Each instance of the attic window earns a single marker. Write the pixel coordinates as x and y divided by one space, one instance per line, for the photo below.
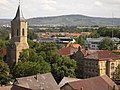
23 32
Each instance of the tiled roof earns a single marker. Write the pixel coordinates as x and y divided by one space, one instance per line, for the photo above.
66 80
95 83
72 45
66 51
76 45
86 33
6 88
38 82
102 54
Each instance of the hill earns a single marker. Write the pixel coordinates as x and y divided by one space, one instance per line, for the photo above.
76 20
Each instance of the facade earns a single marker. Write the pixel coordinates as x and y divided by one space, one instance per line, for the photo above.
91 63
18 36
94 43
95 83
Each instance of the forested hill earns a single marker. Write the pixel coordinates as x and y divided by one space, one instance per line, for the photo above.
76 20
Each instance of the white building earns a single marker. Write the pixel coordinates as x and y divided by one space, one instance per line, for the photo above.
93 43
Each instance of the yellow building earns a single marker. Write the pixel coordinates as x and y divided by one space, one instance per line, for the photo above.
18 36
92 63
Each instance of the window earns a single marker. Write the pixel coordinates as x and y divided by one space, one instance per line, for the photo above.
112 66
23 32
17 32
112 74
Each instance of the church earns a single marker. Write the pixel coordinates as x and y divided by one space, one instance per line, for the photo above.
18 40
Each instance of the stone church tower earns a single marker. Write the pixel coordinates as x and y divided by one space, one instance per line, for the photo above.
18 36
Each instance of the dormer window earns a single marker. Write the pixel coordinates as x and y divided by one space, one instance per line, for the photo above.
23 32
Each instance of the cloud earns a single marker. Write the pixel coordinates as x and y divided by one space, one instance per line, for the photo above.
48 5
33 8
98 3
3 2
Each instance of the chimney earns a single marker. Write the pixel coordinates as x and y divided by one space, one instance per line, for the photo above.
36 77
80 48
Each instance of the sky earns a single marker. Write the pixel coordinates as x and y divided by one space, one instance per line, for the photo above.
43 8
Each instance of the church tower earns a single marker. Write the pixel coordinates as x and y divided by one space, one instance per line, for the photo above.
18 36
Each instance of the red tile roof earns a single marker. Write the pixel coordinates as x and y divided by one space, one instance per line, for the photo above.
86 33
66 51
72 45
95 83
102 54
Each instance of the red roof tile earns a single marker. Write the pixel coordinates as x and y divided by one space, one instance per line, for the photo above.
102 54
73 45
95 83
66 51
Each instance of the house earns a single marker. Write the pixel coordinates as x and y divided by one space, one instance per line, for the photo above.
73 45
66 80
94 43
95 83
91 63
86 33
67 51
37 82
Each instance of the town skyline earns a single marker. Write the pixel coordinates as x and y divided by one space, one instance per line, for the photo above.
44 8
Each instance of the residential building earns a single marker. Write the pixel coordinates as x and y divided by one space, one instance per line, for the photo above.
67 80
91 63
37 82
67 51
73 45
94 43
95 83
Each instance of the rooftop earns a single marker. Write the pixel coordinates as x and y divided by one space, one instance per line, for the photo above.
38 82
95 83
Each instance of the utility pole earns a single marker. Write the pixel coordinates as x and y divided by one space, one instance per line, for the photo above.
112 25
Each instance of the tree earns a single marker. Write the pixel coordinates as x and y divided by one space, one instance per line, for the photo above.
5 77
37 57
63 66
94 35
32 35
23 69
80 40
107 44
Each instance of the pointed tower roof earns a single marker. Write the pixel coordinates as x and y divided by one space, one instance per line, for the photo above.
19 15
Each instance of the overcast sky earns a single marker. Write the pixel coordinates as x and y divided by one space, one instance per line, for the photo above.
41 8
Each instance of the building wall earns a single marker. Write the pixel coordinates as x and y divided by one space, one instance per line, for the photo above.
66 87
87 68
18 40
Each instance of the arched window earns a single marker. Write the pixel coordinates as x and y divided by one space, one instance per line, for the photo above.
112 66
17 32
23 32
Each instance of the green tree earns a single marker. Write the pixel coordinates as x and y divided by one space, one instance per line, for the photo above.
23 69
46 52
107 44
80 40
32 35
5 77
63 66
94 35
